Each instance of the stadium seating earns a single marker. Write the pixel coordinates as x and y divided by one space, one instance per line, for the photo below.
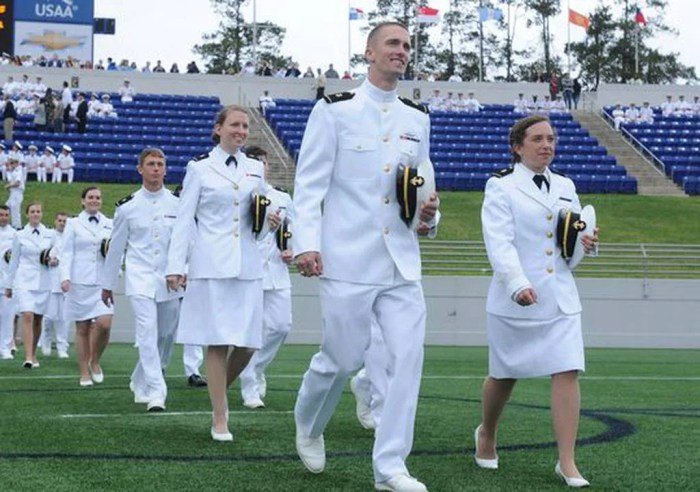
672 140
180 125
466 148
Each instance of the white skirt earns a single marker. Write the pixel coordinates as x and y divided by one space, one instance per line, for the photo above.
526 348
84 302
32 301
222 312
56 309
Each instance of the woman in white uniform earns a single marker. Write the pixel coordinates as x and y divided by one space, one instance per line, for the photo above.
534 312
213 243
83 249
28 277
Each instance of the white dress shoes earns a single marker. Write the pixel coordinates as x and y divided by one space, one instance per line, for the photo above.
62 354
312 452
97 377
254 403
84 383
363 411
488 464
574 482
221 436
158 405
401 483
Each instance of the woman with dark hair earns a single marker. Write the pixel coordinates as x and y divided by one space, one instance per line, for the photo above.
213 236
533 310
28 277
83 249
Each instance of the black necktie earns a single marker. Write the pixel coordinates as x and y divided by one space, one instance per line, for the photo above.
35 231
94 219
539 179
230 160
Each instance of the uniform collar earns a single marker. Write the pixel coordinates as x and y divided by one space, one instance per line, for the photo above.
153 194
530 173
377 94
220 155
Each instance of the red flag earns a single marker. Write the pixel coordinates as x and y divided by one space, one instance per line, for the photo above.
639 18
579 19
428 15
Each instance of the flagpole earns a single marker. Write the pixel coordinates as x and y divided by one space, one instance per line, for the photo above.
255 36
349 46
636 50
568 35
481 44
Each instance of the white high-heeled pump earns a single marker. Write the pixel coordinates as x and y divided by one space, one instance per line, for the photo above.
574 482
488 464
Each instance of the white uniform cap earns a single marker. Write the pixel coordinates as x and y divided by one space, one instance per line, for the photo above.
66 148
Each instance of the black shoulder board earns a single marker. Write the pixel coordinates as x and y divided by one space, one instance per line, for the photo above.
420 107
283 190
338 96
201 157
557 172
124 200
503 172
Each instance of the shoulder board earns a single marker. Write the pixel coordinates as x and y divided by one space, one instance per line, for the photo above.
503 172
124 200
420 107
283 190
557 172
338 96
201 157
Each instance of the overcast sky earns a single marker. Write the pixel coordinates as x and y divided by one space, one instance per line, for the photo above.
317 30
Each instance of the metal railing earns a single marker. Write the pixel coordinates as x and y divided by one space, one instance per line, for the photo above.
646 261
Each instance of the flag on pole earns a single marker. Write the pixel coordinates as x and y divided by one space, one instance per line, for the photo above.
428 15
356 14
639 17
579 19
487 14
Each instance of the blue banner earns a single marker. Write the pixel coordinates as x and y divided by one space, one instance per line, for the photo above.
60 11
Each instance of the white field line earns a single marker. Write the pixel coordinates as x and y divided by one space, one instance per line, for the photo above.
167 414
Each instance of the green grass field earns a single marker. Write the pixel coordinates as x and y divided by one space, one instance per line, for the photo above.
639 429
622 218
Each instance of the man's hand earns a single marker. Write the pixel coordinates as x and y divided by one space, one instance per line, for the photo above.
174 282
287 256
274 220
310 264
65 285
429 209
590 243
107 297
526 297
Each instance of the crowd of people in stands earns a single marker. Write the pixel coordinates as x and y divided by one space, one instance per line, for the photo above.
645 113
111 65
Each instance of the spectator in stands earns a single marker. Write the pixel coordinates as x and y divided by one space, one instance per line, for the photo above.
459 103
31 163
25 86
558 105
192 67
618 115
568 91
22 105
111 66
39 114
546 104
127 92
266 102
66 164
683 107
279 74
696 106
94 105
39 87
248 69
158 68
266 70
58 111
174 69
309 74
553 86
133 67
106 110
520 104
669 107
9 87
9 116
533 105
66 100
436 101
450 102
331 73
471 104
346 75
646 114
47 163
320 84
455 77
100 65
632 114
293 71
576 92
146 68
81 114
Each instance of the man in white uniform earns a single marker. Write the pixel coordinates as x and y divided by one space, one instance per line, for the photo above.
31 162
47 163
3 161
7 305
127 92
15 186
348 230
143 222
646 114
277 293
64 164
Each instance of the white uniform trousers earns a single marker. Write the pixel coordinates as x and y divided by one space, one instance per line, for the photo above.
8 310
15 204
277 322
155 326
192 359
70 172
371 382
348 310
55 327
41 175
56 175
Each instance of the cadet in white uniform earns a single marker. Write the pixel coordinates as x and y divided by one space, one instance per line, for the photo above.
7 304
348 230
534 312
81 262
277 293
56 325
47 162
15 187
222 307
28 278
31 163
143 223
64 165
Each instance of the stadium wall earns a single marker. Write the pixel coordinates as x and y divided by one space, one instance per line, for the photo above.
622 313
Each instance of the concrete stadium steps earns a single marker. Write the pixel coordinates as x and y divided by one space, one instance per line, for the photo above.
650 181
282 166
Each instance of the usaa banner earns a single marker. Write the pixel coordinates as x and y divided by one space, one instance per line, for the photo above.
59 11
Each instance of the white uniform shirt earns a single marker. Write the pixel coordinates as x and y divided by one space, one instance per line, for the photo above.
519 224
127 93
18 155
16 175
66 97
143 225
7 236
472 105
48 161
276 271
520 106
81 261
220 242
646 114
25 271
65 162
348 163
55 273
31 162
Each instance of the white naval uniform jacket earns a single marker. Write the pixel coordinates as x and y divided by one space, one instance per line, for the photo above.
55 273
345 188
7 236
81 261
25 271
519 225
276 271
143 223
16 193
214 225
